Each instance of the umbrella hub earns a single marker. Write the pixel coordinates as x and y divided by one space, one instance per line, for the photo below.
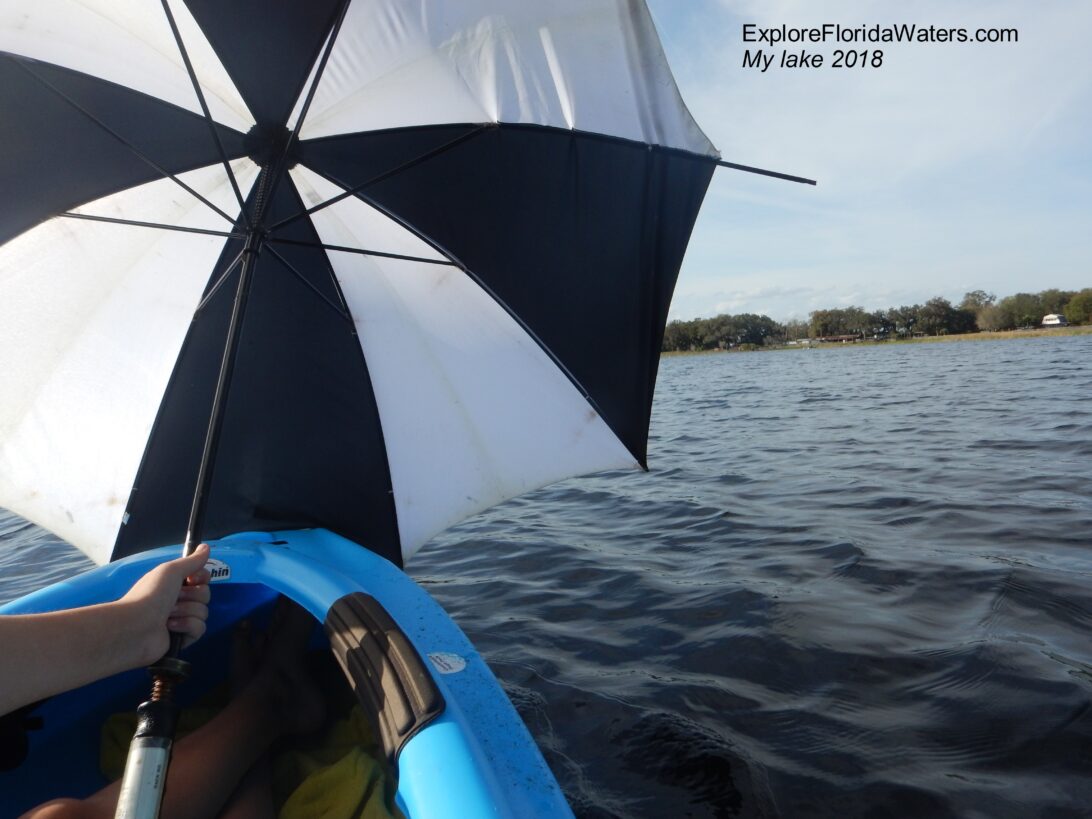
265 144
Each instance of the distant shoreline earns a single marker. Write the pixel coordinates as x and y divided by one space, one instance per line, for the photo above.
994 335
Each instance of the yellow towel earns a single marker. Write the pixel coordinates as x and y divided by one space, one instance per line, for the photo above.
334 775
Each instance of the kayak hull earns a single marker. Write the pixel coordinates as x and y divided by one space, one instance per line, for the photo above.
474 758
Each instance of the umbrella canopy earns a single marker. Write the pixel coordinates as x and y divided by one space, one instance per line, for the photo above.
462 223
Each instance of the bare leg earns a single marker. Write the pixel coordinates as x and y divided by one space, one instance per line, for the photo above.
208 765
253 799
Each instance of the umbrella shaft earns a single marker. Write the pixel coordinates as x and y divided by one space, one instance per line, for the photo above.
227 365
149 755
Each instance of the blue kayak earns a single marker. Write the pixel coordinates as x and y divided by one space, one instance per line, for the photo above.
456 746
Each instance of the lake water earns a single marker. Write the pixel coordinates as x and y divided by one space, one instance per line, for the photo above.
857 582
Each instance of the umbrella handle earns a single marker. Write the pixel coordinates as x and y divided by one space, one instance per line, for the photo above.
145 776
177 637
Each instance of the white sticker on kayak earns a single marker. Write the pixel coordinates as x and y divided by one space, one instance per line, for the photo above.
218 569
447 663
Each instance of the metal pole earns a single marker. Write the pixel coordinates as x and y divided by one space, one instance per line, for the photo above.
149 753
223 384
763 172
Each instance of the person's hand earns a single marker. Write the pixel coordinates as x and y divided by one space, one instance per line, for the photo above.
161 603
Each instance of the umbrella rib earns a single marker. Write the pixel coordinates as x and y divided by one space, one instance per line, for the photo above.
136 151
343 313
282 162
156 225
375 179
219 282
362 252
318 76
763 172
205 110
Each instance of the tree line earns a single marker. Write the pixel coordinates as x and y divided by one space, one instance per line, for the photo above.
977 311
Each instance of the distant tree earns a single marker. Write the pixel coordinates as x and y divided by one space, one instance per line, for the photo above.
934 316
713 332
795 329
881 324
976 300
938 317
1054 301
1078 309
964 321
721 332
820 323
857 320
993 318
678 335
749 328
904 318
839 322
1021 310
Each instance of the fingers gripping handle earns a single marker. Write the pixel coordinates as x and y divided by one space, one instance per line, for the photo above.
177 637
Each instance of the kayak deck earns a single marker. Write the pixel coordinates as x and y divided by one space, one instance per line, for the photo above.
455 742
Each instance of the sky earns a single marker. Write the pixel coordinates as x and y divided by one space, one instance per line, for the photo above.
950 168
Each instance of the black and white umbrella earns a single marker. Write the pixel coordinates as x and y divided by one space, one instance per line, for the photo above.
460 223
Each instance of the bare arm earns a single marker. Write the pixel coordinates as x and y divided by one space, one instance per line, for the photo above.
45 654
